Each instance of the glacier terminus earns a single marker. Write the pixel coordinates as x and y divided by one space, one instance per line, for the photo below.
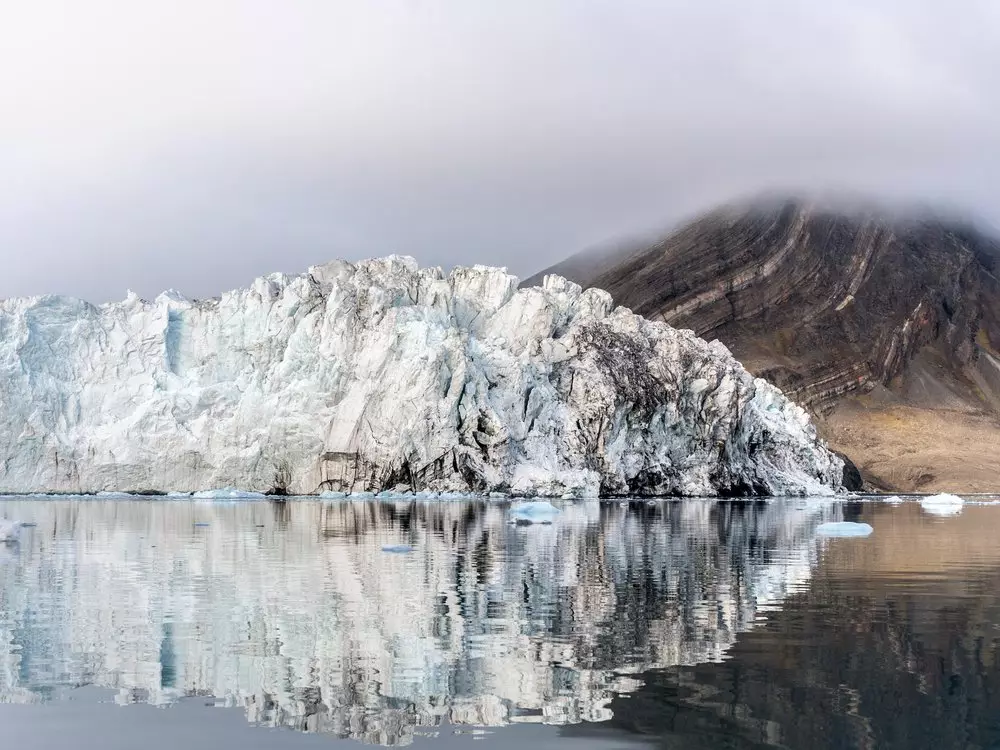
382 376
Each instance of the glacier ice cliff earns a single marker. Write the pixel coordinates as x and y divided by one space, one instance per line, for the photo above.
380 375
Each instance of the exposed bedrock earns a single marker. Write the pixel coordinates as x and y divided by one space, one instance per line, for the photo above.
856 310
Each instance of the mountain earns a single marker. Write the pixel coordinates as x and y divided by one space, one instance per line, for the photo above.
380 376
885 325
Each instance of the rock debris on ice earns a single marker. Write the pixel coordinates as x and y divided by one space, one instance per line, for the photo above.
381 376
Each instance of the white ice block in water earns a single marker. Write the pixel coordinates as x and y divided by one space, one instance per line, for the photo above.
844 528
534 512
226 493
397 549
943 505
10 531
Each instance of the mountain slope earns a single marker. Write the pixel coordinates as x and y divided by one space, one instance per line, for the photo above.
886 326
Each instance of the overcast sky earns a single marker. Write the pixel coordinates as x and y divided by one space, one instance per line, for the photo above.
195 144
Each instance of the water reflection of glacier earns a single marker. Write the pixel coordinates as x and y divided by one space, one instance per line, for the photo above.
295 613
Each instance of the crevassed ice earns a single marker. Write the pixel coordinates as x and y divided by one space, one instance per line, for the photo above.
381 376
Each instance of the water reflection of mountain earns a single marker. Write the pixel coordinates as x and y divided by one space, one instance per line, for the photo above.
894 644
294 611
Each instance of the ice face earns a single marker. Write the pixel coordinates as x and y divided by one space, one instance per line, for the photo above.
381 376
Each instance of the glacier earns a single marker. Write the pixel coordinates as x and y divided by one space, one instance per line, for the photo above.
380 375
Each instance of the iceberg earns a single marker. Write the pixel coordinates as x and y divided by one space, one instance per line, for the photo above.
534 512
10 531
226 493
843 529
942 505
380 376
397 549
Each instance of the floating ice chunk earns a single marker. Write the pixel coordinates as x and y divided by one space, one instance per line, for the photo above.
894 500
844 528
942 505
226 493
397 549
534 512
10 531
178 494
328 495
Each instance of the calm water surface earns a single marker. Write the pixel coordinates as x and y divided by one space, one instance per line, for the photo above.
306 624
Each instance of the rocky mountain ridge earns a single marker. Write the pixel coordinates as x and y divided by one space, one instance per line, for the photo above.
880 324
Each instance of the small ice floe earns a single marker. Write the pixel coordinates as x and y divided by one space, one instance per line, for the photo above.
226 493
538 511
843 529
10 531
894 500
942 505
397 549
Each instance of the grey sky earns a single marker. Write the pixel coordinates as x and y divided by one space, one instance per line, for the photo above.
197 143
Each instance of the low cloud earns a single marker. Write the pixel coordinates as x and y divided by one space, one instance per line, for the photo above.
198 144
